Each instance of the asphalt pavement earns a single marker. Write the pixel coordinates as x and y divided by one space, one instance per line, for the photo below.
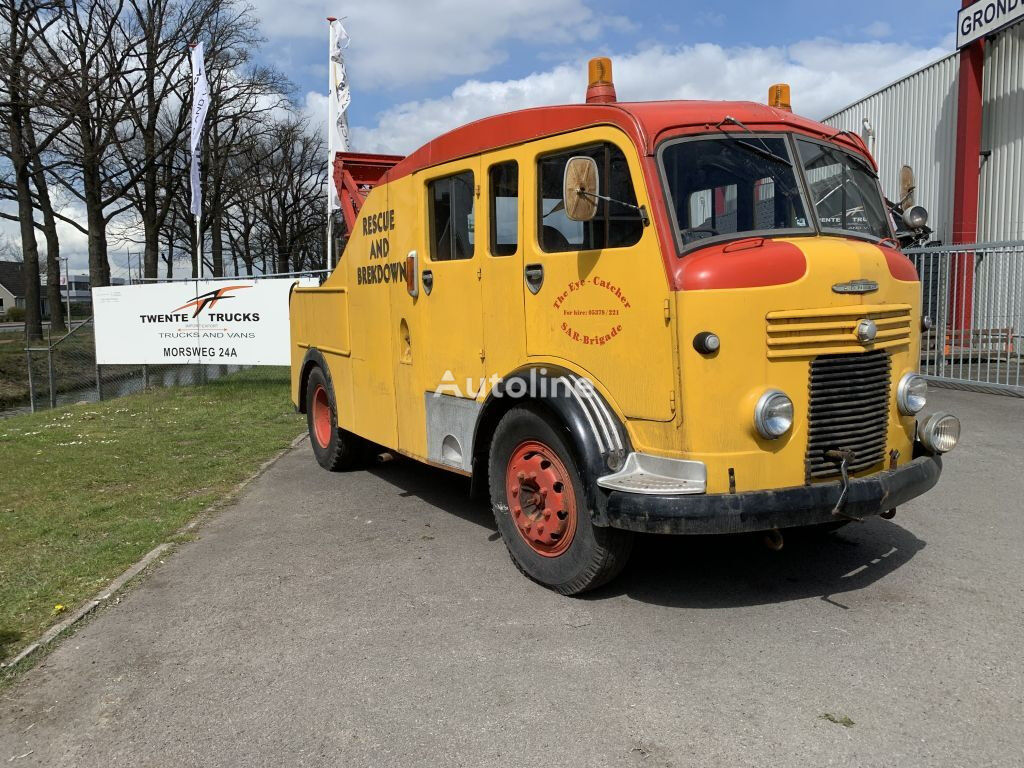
374 619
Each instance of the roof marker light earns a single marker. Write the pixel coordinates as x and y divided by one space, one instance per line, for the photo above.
778 97
600 87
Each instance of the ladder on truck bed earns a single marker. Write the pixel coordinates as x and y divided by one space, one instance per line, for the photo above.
355 174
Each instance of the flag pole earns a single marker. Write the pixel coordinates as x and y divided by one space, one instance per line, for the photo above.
199 239
338 98
330 145
200 104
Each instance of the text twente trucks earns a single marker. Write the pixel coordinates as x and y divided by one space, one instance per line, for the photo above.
676 317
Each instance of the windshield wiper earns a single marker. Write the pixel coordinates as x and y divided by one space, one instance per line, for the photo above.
767 153
828 154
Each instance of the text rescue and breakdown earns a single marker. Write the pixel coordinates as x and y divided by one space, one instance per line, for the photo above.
380 248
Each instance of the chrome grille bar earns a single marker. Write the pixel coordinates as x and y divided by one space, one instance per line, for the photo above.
849 410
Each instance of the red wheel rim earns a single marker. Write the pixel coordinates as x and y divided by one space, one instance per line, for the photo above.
541 499
321 416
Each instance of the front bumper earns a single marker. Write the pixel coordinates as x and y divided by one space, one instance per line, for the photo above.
779 508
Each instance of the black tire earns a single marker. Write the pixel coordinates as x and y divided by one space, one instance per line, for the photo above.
594 555
335 449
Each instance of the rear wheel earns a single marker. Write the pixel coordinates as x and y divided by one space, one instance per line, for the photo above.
334 448
540 506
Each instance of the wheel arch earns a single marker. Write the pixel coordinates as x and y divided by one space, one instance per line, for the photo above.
593 429
313 359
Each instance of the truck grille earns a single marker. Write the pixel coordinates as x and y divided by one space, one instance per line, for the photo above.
849 409
811 332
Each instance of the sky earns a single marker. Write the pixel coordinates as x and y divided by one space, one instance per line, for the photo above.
419 68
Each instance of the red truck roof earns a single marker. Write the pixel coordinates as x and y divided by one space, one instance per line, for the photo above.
646 122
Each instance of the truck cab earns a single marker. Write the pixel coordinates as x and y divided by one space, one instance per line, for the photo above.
679 317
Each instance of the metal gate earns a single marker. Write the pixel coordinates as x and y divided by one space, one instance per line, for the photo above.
974 296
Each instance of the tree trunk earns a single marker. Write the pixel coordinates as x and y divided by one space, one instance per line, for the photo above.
170 252
29 245
53 295
150 226
99 267
216 247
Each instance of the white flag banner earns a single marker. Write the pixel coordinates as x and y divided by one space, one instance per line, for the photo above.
338 99
200 104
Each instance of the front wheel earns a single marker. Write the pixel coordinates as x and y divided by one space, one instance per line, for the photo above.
540 506
334 448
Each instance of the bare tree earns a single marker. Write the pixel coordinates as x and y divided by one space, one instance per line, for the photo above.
25 23
291 194
163 29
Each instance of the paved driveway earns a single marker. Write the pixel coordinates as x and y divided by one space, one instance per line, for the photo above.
374 619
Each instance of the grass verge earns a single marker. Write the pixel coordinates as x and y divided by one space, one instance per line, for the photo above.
86 490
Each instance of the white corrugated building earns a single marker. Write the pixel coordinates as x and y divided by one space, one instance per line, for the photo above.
916 122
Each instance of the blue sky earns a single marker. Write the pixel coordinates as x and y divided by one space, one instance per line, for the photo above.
409 60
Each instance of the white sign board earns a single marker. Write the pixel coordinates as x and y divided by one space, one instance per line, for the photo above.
213 322
984 18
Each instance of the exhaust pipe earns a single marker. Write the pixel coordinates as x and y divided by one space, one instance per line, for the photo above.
384 458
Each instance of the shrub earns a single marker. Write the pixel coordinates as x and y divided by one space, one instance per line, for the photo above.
15 314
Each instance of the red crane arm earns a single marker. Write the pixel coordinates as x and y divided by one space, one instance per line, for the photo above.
355 174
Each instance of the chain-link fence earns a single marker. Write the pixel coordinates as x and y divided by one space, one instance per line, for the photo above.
64 371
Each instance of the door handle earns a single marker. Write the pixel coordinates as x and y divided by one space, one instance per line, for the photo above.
534 277
428 281
412 269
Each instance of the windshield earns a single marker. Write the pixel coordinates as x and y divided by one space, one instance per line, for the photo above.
844 191
726 185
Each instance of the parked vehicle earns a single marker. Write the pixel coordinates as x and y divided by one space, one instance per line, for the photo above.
679 317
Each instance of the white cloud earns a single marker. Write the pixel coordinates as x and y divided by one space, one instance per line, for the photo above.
402 42
825 75
74 244
878 29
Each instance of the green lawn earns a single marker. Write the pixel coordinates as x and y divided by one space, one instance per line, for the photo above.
86 490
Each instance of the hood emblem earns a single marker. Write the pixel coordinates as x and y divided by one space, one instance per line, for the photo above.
856 286
866 331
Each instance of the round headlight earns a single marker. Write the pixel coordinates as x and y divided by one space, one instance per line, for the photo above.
915 217
773 415
940 433
911 394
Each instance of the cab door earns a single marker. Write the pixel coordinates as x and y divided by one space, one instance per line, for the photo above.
448 360
500 228
596 291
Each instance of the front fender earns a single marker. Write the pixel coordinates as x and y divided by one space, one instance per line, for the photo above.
587 422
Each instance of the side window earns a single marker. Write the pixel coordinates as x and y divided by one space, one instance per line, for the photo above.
615 225
451 217
503 180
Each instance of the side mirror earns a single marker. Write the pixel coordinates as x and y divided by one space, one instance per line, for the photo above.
579 188
915 217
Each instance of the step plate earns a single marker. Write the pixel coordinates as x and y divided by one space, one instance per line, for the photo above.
657 476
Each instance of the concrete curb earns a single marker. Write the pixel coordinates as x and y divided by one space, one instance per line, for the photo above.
115 586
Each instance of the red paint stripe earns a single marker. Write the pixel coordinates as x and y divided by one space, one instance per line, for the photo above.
724 266
900 267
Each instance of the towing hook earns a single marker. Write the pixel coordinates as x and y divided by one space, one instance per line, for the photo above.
844 456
